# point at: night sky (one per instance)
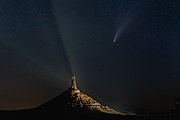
(124, 53)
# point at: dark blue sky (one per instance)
(44, 42)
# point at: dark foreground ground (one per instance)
(60, 109)
(78, 115)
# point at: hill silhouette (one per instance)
(73, 104)
(74, 100)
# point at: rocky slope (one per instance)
(74, 100)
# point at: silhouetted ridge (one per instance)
(72, 104)
(74, 100)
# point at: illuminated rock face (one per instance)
(74, 87)
(75, 100)
(81, 100)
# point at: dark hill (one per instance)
(74, 100)
(72, 104)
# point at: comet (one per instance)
(126, 21)
(120, 31)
